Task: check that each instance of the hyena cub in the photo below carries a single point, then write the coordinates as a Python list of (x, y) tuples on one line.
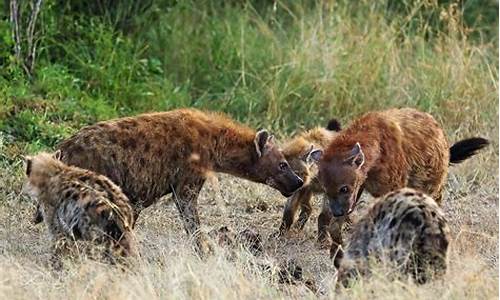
[(405, 229), (78, 204), (302, 153)]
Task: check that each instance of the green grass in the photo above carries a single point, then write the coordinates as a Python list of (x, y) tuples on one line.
[(286, 68)]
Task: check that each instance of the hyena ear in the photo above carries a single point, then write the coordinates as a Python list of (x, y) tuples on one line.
[(57, 155), (313, 155), (262, 140), (357, 157)]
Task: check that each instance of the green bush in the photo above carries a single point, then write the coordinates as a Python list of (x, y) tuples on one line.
[(284, 67)]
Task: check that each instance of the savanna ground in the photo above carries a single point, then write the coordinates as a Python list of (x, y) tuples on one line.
[(283, 65)]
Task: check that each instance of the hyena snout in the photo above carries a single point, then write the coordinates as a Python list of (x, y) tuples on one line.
[(290, 184), (339, 207)]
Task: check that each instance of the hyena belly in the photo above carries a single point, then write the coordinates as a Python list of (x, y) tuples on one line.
[(405, 230)]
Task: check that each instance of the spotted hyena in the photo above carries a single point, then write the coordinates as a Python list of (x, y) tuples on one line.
[(387, 150), (405, 230), (302, 152), (79, 205), (156, 154)]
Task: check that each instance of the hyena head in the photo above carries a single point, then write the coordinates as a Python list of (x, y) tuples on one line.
[(341, 177), (271, 166), (39, 170), (303, 162)]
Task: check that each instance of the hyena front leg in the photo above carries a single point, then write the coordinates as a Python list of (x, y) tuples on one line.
[(305, 195), (438, 195), (289, 212), (186, 200), (335, 230), (324, 220), (121, 249)]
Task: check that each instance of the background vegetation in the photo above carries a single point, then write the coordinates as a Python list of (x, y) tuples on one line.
[(277, 64)]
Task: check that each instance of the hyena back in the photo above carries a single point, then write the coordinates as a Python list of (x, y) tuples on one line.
[(406, 230)]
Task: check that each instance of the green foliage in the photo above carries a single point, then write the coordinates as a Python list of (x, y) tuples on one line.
[(284, 66)]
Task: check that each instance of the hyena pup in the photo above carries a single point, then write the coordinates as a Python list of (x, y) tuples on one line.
[(79, 205), (302, 153), (404, 230), (387, 150), (153, 155)]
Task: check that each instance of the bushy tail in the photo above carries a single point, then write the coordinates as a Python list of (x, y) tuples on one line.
[(464, 149), (334, 125)]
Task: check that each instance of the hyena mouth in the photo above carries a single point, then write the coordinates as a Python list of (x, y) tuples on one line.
[(353, 205), (271, 182)]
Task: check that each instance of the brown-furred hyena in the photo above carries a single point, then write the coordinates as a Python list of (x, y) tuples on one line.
[(404, 230), (80, 205), (155, 154), (300, 152), (387, 150)]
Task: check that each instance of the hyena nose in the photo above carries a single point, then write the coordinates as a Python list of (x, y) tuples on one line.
[(338, 210), (299, 183)]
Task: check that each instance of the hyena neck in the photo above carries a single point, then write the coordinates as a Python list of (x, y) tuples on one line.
[(236, 154)]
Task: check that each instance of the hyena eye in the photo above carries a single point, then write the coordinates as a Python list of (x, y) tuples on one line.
[(344, 189), (283, 165)]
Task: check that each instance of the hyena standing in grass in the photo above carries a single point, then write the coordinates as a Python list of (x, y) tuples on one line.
[(152, 155), (78, 204), (302, 153), (387, 150), (404, 230)]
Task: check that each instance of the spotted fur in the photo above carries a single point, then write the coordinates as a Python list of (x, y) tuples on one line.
[(152, 155), (79, 205), (405, 230)]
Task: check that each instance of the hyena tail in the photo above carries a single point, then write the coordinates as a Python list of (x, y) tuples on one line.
[(464, 149), (334, 125)]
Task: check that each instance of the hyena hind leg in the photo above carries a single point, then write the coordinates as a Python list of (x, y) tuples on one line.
[(119, 251), (61, 247), (324, 223)]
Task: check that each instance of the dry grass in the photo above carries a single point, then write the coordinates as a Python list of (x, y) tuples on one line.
[(170, 269)]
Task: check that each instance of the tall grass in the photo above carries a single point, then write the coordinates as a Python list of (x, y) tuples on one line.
[(282, 67)]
